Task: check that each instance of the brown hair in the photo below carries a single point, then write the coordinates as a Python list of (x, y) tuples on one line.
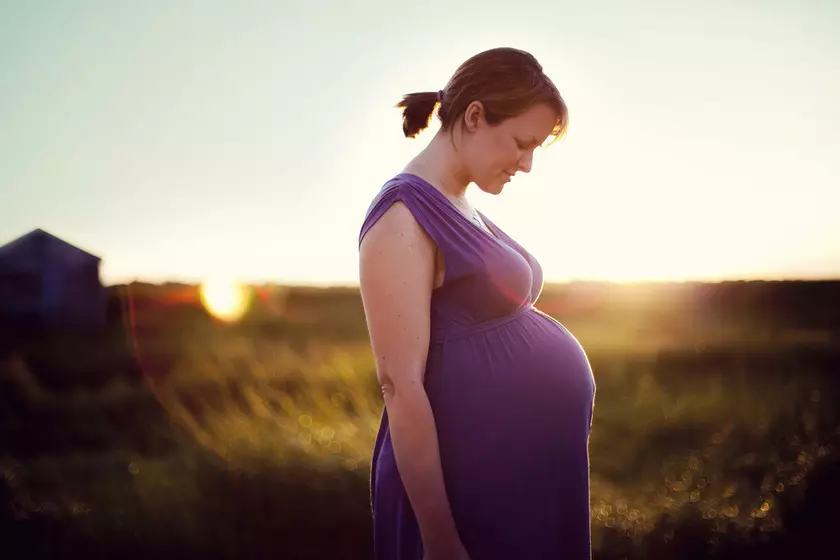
[(505, 80)]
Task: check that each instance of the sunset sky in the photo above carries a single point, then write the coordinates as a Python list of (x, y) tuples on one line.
[(189, 140)]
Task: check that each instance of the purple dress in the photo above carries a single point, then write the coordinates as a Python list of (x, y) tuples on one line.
[(512, 394)]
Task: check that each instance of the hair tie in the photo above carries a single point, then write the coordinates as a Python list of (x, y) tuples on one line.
[(439, 96)]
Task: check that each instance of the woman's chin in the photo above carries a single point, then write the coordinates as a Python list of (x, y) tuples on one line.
[(492, 187)]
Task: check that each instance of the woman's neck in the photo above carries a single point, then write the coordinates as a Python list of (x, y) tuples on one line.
[(439, 164)]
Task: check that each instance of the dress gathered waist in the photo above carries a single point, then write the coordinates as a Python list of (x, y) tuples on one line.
[(441, 335)]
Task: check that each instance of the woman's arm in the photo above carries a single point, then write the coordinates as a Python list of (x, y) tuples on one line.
[(397, 271)]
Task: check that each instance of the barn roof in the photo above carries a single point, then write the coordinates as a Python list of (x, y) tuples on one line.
[(39, 238)]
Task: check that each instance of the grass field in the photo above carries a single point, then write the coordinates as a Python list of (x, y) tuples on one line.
[(169, 434)]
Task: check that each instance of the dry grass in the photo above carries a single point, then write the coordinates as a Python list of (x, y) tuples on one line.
[(236, 438)]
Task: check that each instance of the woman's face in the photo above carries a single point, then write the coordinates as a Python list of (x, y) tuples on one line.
[(493, 154)]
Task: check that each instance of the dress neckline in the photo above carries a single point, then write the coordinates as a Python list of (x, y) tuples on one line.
[(492, 231)]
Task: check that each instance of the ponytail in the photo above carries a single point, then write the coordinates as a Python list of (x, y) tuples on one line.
[(417, 111)]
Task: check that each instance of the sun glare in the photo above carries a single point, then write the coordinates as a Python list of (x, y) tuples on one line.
[(225, 300)]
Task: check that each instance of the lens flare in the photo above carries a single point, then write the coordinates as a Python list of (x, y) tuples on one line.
[(225, 300)]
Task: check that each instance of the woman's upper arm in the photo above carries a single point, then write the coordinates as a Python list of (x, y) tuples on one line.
[(396, 274)]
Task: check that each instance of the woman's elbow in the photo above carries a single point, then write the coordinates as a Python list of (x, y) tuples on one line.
[(394, 387)]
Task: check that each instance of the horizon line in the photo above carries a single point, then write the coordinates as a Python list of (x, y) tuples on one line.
[(339, 284)]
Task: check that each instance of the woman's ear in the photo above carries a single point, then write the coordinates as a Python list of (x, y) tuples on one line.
[(473, 116)]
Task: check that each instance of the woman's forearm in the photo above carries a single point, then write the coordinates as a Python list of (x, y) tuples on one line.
[(416, 450)]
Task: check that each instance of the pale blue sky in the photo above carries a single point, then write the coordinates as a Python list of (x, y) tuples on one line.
[(197, 139)]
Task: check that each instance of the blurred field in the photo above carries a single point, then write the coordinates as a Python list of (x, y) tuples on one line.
[(170, 434)]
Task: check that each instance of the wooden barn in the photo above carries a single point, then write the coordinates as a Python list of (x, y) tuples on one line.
[(45, 281)]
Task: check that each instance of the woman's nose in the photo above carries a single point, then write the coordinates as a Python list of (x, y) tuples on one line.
[(525, 161)]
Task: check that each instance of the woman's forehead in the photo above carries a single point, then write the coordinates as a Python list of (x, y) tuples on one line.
[(537, 121)]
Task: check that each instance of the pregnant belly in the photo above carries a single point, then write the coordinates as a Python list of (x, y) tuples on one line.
[(513, 409), (530, 369)]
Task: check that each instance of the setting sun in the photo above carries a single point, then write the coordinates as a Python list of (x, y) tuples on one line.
[(225, 300)]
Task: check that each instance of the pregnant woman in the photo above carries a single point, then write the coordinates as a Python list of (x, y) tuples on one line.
[(483, 447)]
